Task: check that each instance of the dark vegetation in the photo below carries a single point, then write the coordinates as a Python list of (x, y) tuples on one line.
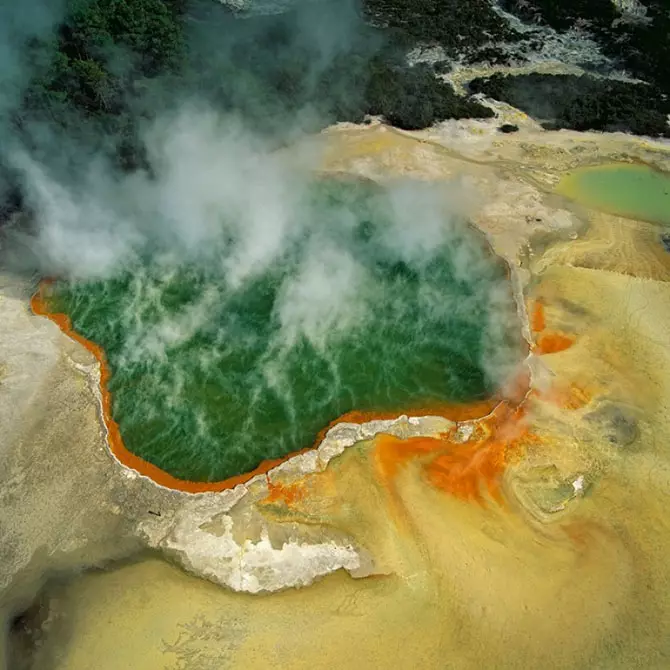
[(639, 46), (412, 98), (100, 48), (88, 78), (582, 103), (455, 25)]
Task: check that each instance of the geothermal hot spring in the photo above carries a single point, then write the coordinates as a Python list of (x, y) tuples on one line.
[(362, 312), (631, 190)]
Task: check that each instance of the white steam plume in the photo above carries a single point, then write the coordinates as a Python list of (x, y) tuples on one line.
[(218, 196)]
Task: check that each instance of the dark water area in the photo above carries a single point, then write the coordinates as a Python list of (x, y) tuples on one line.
[(210, 377)]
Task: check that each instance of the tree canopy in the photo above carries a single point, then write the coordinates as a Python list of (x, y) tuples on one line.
[(582, 102)]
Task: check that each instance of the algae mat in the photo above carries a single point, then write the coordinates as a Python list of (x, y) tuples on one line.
[(360, 309)]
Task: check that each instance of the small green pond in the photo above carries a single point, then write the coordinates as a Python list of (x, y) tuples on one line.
[(630, 190), (211, 376)]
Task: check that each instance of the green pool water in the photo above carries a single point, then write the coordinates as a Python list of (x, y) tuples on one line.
[(211, 375), (630, 190)]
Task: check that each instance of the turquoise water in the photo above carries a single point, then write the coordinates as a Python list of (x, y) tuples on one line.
[(211, 376), (633, 191)]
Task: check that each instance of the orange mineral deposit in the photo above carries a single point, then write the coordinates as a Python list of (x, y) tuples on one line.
[(553, 343), (465, 469), (537, 320)]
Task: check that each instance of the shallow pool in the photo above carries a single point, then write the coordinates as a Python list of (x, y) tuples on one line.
[(630, 190)]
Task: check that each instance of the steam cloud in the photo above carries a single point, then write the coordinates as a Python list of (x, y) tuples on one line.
[(218, 193)]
